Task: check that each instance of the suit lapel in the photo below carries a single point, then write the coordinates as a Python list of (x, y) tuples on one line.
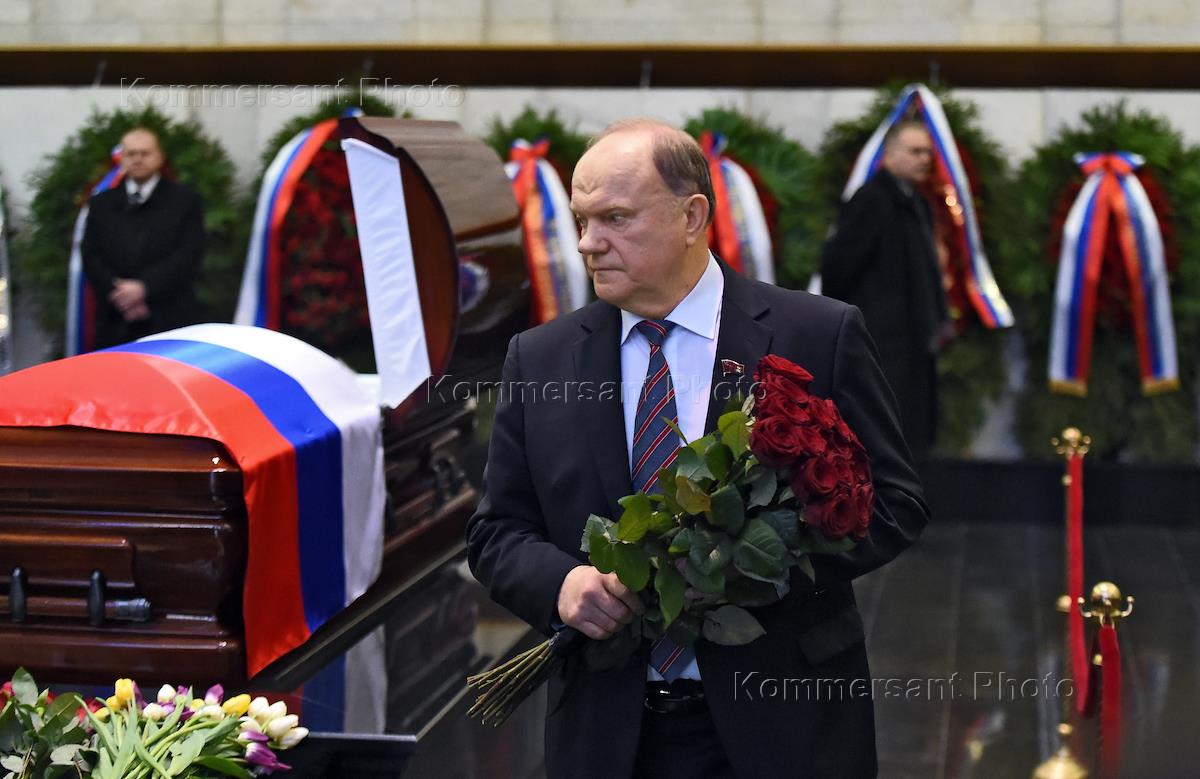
[(598, 366), (743, 338)]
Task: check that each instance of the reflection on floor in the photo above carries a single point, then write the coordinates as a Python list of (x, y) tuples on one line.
[(966, 651)]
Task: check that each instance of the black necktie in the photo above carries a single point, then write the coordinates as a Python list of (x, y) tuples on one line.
[(135, 198)]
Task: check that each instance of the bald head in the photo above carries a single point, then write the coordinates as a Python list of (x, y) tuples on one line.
[(677, 157), (141, 156), (642, 198)]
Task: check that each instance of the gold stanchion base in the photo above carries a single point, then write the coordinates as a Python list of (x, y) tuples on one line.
[(1061, 766)]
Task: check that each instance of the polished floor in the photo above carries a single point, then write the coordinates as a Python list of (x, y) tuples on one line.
[(966, 655)]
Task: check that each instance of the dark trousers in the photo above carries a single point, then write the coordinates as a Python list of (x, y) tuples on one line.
[(680, 746)]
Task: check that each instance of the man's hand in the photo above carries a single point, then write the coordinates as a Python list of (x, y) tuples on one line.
[(137, 313), (596, 604), (127, 295)]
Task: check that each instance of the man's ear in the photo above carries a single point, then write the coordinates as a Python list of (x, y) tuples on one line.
[(695, 213)]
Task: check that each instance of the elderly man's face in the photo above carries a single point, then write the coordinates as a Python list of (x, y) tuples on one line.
[(909, 155), (140, 156), (634, 230)]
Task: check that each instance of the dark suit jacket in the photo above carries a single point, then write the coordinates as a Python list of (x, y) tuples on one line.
[(552, 462), (881, 258), (160, 243)]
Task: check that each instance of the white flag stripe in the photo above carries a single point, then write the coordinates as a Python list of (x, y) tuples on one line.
[(335, 389)]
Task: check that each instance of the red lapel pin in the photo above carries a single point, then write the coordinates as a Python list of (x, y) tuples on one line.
[(732, 368)]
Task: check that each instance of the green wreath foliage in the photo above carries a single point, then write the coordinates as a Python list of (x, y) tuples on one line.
[(567, 145), (786, 170), (61, 185), (1124, 425), (971, 368)]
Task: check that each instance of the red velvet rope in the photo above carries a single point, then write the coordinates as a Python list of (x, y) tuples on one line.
[(1080, 659)]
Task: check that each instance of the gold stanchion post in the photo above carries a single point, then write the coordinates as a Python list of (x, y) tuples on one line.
[(1062, 764)]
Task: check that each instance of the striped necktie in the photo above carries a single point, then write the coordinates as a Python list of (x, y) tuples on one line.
[(654, 447)]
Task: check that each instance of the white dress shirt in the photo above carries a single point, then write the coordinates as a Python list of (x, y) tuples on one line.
[(690, 350), (146, 188)]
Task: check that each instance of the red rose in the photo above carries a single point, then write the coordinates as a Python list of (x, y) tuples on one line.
[(776, 441), (778, 366), (864, 504), (825, 413), (836, 517), (819, 476)]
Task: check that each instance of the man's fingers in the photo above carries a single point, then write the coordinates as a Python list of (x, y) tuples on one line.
[(612, 607), (626, 595)]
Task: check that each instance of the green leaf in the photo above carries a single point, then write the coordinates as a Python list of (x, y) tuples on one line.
[(760, 553), (149, 760), (598, 543), (632, 566), (24, 688), (690, 465), (12, 732), (682, 542), (726, 510), (662, 522), (815, 542), (786, 523), (712, 583), (185, 752), (675, 427), (710, 552), (635, 520), (692, 499), (669, 584), (685, 629), (731, 626), (763, 482), (612, 651), (224, 766), (718, 458), (735, 432), (106, 737), (806, 567), (747, 592)]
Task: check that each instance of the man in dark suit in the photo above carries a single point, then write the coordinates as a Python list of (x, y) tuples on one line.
[(882, 258), (142, 248), (563, 446)]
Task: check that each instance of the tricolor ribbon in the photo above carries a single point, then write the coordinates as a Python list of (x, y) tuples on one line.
[(739, 227), (305, 435), (557, 273), (1112, 197), (81, 304), (261, 296), (981, 288)]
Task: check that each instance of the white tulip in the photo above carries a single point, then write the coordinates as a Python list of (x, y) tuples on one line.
[(249, 723), (154, 712), (278, 727), (258, 707), (274, 711), (292, 738), (166, 694), (212, 711)]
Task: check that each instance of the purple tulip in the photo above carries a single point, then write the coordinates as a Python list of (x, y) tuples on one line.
[(263, 757), (137, 696), (253, 735), (215, 695), (187, 714)]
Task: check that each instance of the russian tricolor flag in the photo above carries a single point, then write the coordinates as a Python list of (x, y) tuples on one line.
[(305, 434)]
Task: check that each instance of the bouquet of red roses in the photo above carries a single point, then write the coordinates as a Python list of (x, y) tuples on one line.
[(781, 478)]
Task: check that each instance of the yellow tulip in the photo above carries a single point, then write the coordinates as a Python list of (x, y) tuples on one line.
[(237, 705), (102, 714), (124, 690), (196, 705), (113, 702)]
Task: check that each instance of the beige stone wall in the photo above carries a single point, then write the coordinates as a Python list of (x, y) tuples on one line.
[(215, 22)]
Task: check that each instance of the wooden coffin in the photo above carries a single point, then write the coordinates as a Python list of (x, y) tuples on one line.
[(123, 554)]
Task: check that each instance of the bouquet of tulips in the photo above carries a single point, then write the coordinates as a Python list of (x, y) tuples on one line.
[(124, 737), (781, 478)]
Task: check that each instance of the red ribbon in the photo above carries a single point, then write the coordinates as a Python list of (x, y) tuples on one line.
[(722, 231), (529, 201)]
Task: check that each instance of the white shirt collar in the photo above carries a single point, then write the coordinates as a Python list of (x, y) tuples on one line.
[(146, 189), (698, 312)]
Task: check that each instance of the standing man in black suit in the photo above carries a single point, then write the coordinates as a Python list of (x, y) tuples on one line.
[(562, 448), (882, 258), (142, 248)]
